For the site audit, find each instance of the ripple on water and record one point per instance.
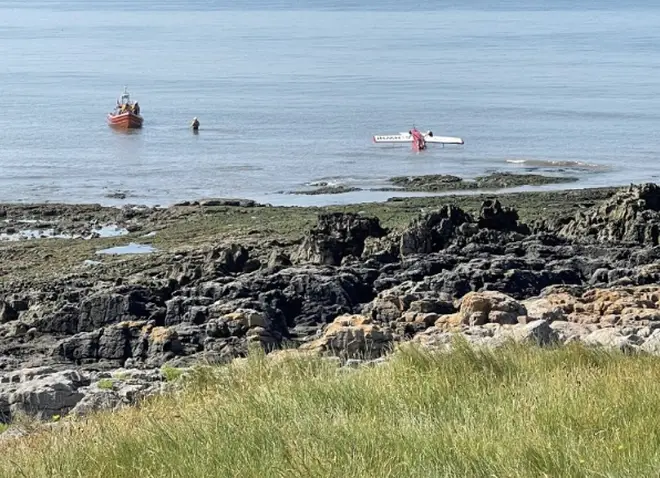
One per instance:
(546, 163)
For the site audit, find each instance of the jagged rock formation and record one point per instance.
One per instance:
(630, 216)
(433, 231)
(337, 236)
(494, 216)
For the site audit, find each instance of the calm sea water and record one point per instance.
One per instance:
(290, 93)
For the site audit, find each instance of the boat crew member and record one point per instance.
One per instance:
(136, 108)
(195, 124)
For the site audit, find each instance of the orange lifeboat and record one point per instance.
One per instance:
(126, 114)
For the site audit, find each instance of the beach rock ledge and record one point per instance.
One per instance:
(349, 288)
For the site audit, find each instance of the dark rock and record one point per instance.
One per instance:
(226, 260)
(80, 347)
(500, 180)
(433, 182)
(433, 231)
(278, 260)
(216, 202)
(185, 273)
(252, 265)
(494, 216)
(102, 309)
(645, 256)
(437, 306)
(335, 236)
(7, 312)
(116, 344)
(62, 321)
(381, 249)
(631, 216)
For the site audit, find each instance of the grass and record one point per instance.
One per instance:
(105, 384)
(516, 412)
(171, 373)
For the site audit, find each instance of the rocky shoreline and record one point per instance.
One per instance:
(447, 182)
(434, 183)
(81, 331)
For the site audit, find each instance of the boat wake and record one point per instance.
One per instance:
(565, 164)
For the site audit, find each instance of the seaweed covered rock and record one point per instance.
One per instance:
(631, 216)
(499, 180)
(431, 182)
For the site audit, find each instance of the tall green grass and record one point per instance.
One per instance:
(516, 412)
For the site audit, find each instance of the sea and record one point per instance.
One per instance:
(290, 93)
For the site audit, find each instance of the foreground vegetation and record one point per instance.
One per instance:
(515, 412)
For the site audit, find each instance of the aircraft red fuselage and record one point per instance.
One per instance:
(418, 140)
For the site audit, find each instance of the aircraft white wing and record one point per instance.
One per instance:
(443, 139)
(393, 138)
(407, 138)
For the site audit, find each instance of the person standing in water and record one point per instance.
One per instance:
(195, 124)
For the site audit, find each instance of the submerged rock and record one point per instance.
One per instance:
(501, 180)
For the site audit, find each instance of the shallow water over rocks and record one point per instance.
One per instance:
(110, 230)
(131, 248)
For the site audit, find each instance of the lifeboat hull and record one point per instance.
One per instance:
(126, 120)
